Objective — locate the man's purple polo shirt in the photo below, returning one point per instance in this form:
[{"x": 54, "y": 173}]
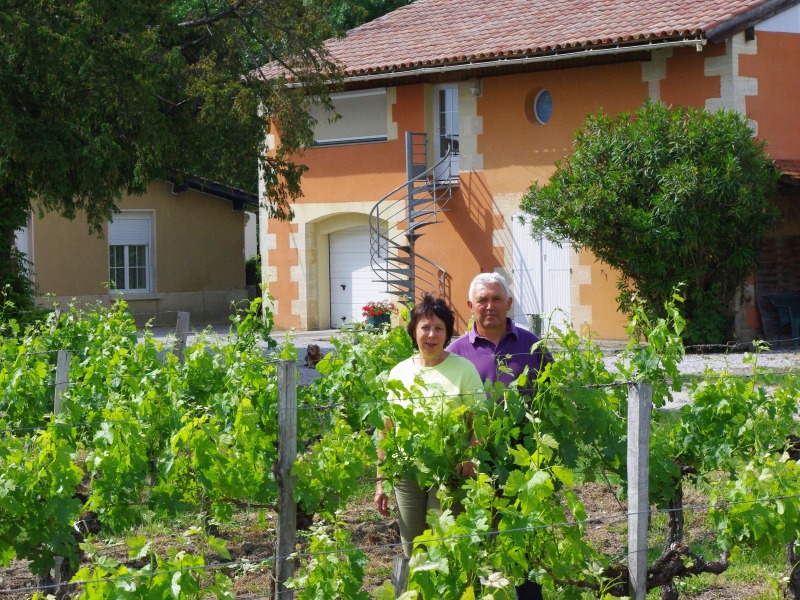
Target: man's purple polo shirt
[{"x": 513, "y": 351}]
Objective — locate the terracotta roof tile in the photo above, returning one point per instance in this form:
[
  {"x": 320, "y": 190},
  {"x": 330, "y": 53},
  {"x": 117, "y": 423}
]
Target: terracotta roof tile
[{"x": 438, "y": 32}]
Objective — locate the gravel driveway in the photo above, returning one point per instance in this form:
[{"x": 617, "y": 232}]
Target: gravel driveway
[{"x": 784, "y": 359}]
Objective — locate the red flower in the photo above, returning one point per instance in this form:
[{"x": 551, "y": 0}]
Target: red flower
[{"x": 378, "y": 309}]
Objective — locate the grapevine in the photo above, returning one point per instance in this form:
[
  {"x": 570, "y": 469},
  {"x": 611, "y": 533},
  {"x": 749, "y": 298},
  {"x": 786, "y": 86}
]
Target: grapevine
[{"x": 144, "y": 435}]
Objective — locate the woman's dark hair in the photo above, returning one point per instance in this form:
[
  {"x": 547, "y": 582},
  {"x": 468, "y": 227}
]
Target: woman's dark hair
[{"x": 428, "y": 308}]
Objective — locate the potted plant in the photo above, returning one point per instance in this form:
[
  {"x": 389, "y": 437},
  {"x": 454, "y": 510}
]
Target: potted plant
[{"x": 378, "y": 313}]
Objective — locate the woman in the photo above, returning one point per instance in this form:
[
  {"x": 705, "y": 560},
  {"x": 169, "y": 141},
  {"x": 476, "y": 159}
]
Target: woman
[{"x": 434, "y": 374}]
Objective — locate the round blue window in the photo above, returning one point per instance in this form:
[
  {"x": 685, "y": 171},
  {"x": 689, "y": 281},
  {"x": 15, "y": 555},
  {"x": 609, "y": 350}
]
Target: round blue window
[{"x": 543, "y": 106}]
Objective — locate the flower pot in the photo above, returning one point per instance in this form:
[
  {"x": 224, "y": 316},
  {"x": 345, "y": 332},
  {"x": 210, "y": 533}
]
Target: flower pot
[{"x": 378, "y": 321}]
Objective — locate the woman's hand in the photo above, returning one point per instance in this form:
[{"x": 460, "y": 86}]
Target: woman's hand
[
  {"x": 466, "y": 469},
  {"x": 381, "y": 500}
]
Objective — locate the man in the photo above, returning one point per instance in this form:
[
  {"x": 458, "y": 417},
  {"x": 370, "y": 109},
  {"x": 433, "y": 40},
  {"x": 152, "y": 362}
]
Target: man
[
  {"x": 494, "y": 339},
  {"x": 500, "y": 350}
]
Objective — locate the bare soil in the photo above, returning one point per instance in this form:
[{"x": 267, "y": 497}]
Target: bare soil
[{"x": 250, "y": 540}]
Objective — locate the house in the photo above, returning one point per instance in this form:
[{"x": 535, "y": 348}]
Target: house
[
  {"x": 176, "y": 248},
  {"x": 451, "y": 109}
]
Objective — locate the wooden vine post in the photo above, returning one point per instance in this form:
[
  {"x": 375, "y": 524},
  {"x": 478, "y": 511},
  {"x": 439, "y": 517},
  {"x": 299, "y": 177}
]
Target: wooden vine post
[
  {"x": 181, "y": 334},
  {"x": 640, "y": 407},
  {"x": 287, "y": 453},
  {"x": 62, "y": 380}
]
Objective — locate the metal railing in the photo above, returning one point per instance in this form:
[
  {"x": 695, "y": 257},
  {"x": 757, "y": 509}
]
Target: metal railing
[{"x": 396, "y": 220}]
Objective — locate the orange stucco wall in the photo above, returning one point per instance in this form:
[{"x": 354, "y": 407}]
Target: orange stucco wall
[
  {"x": 517, "y": 149},
  {"x": 281, "y": 287},
  {"x": 369, "y": 167},
  {"x": 776, "y": 79},
  {"x": 607, "y": 322},
  {"x": 514, "y": 150},
  {"x": 686, "y": 83},
  {"x": 462, "y": 244}
]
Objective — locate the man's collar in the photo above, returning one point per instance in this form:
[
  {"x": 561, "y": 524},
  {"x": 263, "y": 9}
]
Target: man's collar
[{"x": 511, "y": 329}]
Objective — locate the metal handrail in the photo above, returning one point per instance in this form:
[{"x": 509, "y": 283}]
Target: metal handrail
[{"x": 390, "y": 250}]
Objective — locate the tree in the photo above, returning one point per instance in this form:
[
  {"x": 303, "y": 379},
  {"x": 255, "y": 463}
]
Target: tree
[
  {"x": 99, "y": 97},
  {"x": 347, "y": 14},
  {"x": 667, "y": 196}
]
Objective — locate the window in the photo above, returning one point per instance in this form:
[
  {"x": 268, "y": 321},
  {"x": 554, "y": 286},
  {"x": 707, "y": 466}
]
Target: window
[
  {"x": 543, "y": 106},
  {"x": 22, "y": 238},
  {"x": 447, "y": 121},
  {"x": 363, "y": 118},
  {"x": 23, "y": 245},
  {"x": 129, "y": 251},
  {"x": 445, "y": 130}
]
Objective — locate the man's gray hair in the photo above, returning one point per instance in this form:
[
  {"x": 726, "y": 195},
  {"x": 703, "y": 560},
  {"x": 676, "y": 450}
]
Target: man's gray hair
[{"x": 488, "y": 279}]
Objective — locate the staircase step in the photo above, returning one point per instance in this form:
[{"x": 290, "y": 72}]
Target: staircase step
[
  {"x": 422, "y": 198},
  {"x": 398, "y": 269},
  {"x": 415, "y": 226},
  {"x": 404, "y": 283},
  {"x": 414, "y": 203},
  {"x": 395, "y": 270}
]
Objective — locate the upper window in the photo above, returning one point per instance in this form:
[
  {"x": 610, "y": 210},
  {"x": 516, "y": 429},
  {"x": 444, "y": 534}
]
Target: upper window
[
  {"x": 129, "y": 249},
  {"x": 446, "y": 121},
  {"x": 363, "y": 118},
  {"x": 543, "y": 106}
]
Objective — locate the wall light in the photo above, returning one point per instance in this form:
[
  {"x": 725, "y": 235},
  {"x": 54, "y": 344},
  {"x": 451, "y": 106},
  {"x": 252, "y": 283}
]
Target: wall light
[{"x": 475, "y": 87}]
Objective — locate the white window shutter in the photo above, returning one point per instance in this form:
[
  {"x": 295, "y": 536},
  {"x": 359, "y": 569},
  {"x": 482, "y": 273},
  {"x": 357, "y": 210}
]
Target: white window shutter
[
  {"x": 363, "y": 118},
  {"x": 129, "y": 230}
]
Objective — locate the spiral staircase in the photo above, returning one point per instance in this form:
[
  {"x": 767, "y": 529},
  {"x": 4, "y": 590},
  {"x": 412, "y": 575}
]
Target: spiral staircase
[{"x": 397, "y": 219}]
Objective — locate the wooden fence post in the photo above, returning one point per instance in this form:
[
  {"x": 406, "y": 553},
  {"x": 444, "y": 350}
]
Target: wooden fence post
[
  {"x": 56, "y": 320},
  {"x": 62, "y": 379},
  {"x": 181, "y": 333},
  {"x": 400, "y": 575},
  {"x": 640, "y": 406},
  {"x": 287, "y": 453}
]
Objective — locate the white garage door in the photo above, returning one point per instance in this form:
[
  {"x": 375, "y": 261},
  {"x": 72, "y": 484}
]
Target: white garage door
[
  {"x": 541, "y": 279},
  {"x": 352, "y": 279}
]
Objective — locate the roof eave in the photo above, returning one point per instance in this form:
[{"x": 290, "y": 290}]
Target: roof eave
[
  {"x": 239, "y": 199},
  {"x": 554, "y": 55},
  {"x": 742, "y": 21}
]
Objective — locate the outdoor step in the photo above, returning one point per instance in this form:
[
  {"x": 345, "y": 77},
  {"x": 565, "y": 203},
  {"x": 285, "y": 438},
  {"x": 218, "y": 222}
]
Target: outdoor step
[
  {"x": 426, "y": 202},
  {"x": 402, "y": 283},
  {"x": 397, "y": 271},
  {"x": 415, "y": 226},
  {"x": 399, "y": 259}
]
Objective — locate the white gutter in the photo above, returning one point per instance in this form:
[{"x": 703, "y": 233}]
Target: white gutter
[{"x": 503, "y": 62}]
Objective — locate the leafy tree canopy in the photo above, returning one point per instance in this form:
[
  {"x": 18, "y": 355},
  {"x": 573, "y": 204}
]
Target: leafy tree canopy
[
  {"x": 99, "y": 97},
  {"x": 347, "y": 14},
  {"x": 667, "y": 196}
]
